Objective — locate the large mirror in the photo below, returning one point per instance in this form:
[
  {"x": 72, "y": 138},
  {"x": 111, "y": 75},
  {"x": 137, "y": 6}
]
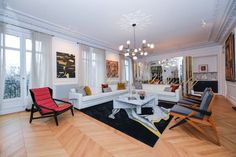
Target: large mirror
[{"x": 164, "y": 71}]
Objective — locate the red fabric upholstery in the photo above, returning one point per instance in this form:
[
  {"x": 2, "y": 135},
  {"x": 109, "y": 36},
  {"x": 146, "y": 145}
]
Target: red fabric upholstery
[{"x": 43, "y": 98}]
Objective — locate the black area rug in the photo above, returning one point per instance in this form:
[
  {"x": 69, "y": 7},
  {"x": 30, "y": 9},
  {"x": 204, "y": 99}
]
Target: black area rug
[{"x": 124, "y": 124}]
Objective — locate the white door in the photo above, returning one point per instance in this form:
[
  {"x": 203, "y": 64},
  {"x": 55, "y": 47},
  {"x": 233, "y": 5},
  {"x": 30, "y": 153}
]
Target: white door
[{"x": 17, "y": 50}]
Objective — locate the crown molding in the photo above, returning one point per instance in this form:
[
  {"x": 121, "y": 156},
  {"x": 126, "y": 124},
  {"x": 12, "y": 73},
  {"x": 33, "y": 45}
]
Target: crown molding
[
  {"x": 229, "y": 22},
  {"x": 23, "y": 20},
  {"x": 204, "y": 51},
  {"x": 188, "y": 48},
  {"x": 184, "y": 51}
]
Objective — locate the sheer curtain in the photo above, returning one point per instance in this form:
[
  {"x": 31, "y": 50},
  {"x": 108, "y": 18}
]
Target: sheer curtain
[
  {"x": 92, "y": 66},
  {"x": 2, "y": 65},
  {"x": 41, "y": 62},
  {"x": 122, "y": 67}
]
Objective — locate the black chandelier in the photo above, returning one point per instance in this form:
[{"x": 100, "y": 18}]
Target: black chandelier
[{"x": 133, "y": 51}]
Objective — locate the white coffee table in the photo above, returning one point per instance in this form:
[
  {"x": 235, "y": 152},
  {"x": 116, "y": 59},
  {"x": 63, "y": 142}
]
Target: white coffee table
[
  {"x": 123, "y": 102},
  {"x": 133, "y": 108}
]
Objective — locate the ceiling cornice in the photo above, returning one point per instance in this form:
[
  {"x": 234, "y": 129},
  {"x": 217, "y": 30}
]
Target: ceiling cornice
[
  {"x": 229, "y": 22},
  {"x": 17, "y": 18},
  {"x": 189, "y": 48}
]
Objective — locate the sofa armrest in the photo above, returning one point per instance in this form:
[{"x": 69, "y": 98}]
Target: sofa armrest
[{"x": 178, "y": 94}]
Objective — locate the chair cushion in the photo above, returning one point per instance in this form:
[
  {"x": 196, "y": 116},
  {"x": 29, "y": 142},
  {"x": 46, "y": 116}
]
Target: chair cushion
[
  {"x": 184, "y": 111},
  {"x": 206, "y": 100},
  {"x": 43, "y": 98},
  {"x": 87, "y": 90},
  {"x": 62, "y": 107}
]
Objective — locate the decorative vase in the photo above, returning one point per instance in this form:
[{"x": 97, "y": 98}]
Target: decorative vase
[{"x": 142, "y": 97}]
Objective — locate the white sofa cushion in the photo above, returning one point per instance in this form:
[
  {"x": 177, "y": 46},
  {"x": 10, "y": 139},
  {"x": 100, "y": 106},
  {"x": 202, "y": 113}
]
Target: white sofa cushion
[{"x": 167, "y": 93}]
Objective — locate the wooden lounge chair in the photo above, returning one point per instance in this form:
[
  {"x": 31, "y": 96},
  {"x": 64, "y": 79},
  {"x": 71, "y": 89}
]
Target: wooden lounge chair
[
  {"x": 46, "y": 105},
  {"x": 190, "y": 100},
  {"x": 195, "y": 116}
]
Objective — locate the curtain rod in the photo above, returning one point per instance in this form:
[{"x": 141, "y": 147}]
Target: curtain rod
[{"x": 26, "y": 28}]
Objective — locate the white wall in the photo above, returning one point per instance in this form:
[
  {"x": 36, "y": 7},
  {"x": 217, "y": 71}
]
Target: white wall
[
  {"x": 201, "y": 52},
  {"x": 66, "y": 46},
  {"x": 211, "y": 61},
  {"x": 113, "y": 57},
  {"x": 231, "y": 86},
  {"x": 62, "y": 45}
]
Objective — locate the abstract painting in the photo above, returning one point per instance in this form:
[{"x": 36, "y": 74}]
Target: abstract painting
[
  {"x": 112, "y": 69},
  {"x": 230, "y": 58},
  {"x": 65, "y": 65}
]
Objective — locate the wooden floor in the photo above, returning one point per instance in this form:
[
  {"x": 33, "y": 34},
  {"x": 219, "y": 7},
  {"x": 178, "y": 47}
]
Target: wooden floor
[{"x": 83, "y": 136}]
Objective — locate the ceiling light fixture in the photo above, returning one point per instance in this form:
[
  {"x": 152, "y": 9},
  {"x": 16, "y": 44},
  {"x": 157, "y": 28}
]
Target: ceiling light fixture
[{"x": 133, "y": 51}]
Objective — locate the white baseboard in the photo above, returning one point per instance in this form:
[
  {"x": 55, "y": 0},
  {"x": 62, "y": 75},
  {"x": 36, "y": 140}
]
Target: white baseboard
[
  {"x": 11, "y": 110},
  {"x": 232, "y": 100}
]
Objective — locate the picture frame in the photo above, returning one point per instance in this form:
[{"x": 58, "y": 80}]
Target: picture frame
[
  {"x": 65, "y": 65},
  {"x": 230, "y": 72},
  {"x": 203, "y": 68},
  {"x": 112, "y": 69}
]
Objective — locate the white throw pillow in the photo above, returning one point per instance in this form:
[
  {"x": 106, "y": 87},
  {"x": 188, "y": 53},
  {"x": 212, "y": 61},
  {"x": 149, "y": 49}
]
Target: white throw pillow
[
  {"x": 81, "y": 90},
  {"x": 108, "y": 89}
]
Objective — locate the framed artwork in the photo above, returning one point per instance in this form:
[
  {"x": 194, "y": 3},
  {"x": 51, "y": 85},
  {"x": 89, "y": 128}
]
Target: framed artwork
[
  {"x": 65, "y": 65},
  {"x": 112, "y": 69},
  {"x": 230, "y": 58},
  {"x": 203, "y": 68}
]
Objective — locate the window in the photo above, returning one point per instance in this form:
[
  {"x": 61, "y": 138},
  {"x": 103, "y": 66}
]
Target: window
[
  {"x": 93, "y": 63},
  {"x": 12, "y": 66},
  {"x": 127, "y": 70}
]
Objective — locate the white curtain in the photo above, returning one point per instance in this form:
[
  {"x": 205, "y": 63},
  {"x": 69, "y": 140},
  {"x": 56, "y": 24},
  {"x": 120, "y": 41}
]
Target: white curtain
[
  {"x": 2, "y": 65},
  {"x": 41, "y": 69},
  {"x": 122, "y": 67},
  {"x": 41, "y": 63},
  {"x": 92, "y": 66}
]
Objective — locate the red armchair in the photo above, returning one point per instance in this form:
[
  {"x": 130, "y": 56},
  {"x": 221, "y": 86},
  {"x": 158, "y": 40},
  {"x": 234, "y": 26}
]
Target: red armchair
[{"x": 46, "y": 105}]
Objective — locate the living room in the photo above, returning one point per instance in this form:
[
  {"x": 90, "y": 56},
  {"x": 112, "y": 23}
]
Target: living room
[{"x": 107, "y": 78}]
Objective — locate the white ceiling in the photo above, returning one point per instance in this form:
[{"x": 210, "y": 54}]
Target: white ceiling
[{"x": 173, "y": 25}]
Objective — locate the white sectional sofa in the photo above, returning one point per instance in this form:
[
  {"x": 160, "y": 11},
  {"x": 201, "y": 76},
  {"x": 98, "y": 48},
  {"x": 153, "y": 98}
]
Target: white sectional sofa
[
  {"x": 163, "y": 95},
  {"x": 96, "y": 98}
]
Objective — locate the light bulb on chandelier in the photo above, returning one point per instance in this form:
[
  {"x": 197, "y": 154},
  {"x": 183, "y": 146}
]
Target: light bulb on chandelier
[
  {"x": 126, "y": 54},
  {"x": 135, "y": 57},
  {"x": 121, "y": 47}
]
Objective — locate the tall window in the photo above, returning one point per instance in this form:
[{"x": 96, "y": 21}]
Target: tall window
[
  {"x": 127, "y": 69},
  {"x": 12, "y": 66},
  {"x": 92, "y": 68}
]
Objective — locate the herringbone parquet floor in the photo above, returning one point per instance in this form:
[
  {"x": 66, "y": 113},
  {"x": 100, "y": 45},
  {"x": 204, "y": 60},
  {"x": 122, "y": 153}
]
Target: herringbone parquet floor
[{"x": 83, "y": 136}]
